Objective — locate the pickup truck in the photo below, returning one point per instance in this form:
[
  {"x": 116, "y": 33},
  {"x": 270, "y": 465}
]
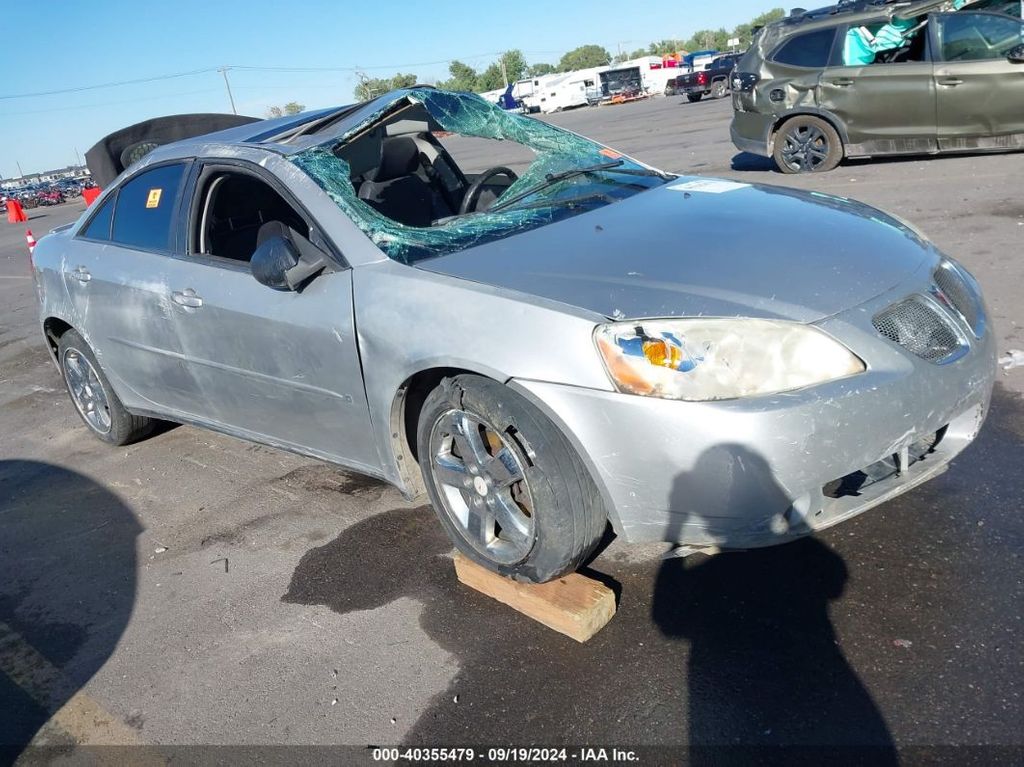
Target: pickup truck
[{"x": 713, "y": 79}]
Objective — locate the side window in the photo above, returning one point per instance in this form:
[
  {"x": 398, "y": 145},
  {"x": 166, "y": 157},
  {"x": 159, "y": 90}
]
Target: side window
[
  {"x": 233, "y": 208},
  {"x": 145, "y": 208},
  {"x": 890, "y": 41},
  {"x": 810, "y": 49},
  {"x": 99, "y": 226},
  {"x": 978, "y": 36}
]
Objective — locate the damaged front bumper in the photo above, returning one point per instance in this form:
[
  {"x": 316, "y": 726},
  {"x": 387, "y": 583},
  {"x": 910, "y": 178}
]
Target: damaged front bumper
[{"x": 754, "y": 472}]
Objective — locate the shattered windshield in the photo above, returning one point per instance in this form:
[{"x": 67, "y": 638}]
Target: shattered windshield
[{"x": 433, "y": 172}]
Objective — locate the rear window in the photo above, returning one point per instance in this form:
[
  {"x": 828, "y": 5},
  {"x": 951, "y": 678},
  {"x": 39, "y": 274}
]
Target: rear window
[
  {"x": 810, "y": 49},
  {"x": 145, "y": 206}
]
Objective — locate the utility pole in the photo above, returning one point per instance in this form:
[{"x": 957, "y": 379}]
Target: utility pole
[
  {"x": 224, "y": 71},
  {"x": 21, "y": 173},
  {"x": 78, "y": 157},
  {"x": 504, "y": 74}
]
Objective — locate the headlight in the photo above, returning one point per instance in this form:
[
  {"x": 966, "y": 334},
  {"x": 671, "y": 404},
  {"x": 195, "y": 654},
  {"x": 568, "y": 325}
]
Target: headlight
[{"x": 710, "y": 359}]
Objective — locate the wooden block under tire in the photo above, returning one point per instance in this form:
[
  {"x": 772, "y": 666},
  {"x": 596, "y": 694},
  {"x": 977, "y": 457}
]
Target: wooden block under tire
[{"x": 573, "y": 605}]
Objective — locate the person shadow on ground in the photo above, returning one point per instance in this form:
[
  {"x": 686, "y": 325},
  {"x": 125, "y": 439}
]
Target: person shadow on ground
[
  {"x": 67, "y": 587},
  {"x": 765, "y": 668}
]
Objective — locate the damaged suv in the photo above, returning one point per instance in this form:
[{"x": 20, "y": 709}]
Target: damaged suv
[
  {"x": 517, "y": 322},
  {"x": 880, "y": 78}
]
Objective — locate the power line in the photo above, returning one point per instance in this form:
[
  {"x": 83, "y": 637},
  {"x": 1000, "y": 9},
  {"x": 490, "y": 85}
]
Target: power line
[
  {"x": 110, "y": 103},
  {"x": 352, "y": 69},
  {"x": 80, "y": 88}
]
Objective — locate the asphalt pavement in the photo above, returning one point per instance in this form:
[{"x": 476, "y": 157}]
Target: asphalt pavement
[{"x": 197, "y": 589}]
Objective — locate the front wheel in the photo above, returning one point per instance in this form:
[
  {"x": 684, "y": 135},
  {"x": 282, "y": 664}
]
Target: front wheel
[
  {"x": 692, "y": 97},
  {"x": 93, "y": 397},
  {"x": 509, "y": 489},
  {"x": 807, "y": 144}
]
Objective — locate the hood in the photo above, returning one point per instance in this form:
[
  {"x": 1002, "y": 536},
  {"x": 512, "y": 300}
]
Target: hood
[{"x": 705, "y": 247}]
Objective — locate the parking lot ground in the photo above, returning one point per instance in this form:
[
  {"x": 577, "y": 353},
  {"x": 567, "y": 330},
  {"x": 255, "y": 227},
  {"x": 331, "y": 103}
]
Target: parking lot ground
[{"x": 196, "y": 589}]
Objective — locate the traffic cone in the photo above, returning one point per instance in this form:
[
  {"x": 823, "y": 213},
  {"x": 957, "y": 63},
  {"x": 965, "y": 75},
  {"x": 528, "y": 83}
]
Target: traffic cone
[
  {"x": 15, "y": 213},
  {"x": 30, "y": 240}
]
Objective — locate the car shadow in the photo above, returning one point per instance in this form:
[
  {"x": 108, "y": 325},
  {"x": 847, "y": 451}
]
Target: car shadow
[
  {"x": 746, "y": 161},
  {"x": 765, "y": 667},
  {"x": 724, "y": 653},
  {"x": 67, "y": 587}
]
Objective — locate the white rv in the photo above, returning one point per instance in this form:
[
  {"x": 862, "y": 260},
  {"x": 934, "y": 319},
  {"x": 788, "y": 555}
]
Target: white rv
[{"x": 568, "y": 90}]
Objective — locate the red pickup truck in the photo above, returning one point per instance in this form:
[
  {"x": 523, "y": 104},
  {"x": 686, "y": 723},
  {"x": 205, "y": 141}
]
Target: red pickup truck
[{"x": 713, "y": 79}]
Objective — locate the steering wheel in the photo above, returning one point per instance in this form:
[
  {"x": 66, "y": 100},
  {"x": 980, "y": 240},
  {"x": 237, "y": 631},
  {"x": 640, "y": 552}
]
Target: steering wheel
[{"x": 469, "y": 199}]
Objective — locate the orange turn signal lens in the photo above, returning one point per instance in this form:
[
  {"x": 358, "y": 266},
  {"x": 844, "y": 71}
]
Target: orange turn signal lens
[{"x": 661, "y": 353}]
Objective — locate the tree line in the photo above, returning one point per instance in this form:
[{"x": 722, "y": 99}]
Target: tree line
[{"x": 512, "y": 66}]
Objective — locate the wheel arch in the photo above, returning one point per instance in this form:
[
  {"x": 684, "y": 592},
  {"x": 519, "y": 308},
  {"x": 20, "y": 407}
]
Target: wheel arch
[
  {"x": 406, "y": 406},
  {"x": 53, "y": 329}
]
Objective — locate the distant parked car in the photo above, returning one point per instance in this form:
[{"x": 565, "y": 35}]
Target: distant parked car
[
  {"x": 867, "y": 79},
  {"x": 515, "y": 346},
  {"x": 712, "y": 81}
]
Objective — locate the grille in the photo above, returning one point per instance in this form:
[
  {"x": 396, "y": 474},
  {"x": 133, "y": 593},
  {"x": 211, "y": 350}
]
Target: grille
[
  {"x": 918, "y": 328},
  {"x": 954, "y": 288}
]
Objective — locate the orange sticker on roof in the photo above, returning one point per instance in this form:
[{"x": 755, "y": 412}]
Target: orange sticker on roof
[
  {"x": 610, "y": 153},
  {"x": 153, "y": 201}
]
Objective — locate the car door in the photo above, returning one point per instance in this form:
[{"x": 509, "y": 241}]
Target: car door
[
  {"x": 980, "y": 91},
  {"x": 116, "y": 276},
  {"x": 885, "y": 107},
  {"x": 278, "y": 366}
]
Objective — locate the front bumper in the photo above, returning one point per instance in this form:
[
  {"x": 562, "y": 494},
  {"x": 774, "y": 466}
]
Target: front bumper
[{"x": 754, "y": 472}]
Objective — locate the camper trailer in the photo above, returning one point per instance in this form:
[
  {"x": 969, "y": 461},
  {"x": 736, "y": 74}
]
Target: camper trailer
[
  {"x": 569, "y": 90},
  {"x": 621, "y": 83}
]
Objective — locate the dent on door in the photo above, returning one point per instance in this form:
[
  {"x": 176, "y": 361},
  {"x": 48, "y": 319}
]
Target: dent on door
[
  {"x": 122, "y": 309},
  {"x": 278, "y": 366}
]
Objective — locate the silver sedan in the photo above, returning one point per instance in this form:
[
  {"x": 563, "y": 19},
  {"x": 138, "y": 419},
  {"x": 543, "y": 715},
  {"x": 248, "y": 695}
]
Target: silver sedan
[{"x": 545, "y": 348}]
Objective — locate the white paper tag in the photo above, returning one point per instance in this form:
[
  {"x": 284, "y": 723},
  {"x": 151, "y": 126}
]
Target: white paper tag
[{"x": 708, "y": 186}]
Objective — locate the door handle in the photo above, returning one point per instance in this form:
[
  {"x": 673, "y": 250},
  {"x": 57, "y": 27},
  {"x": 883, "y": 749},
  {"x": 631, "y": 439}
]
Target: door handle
[
  {"x": 186, "y": 298},
  {"x": 81, "y": 274},
  {"x": 842, "y": 82},
  {"x": 951, "y": 82}
]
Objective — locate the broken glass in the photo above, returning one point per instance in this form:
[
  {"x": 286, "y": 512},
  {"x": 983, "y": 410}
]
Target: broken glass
[{"x": 557, "y": 151}]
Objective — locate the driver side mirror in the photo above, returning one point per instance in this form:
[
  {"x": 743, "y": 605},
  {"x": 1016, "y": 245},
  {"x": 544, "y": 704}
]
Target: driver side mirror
[
  {"x": 284, "y": 259},
  {"x": 1016, "y": 55}
]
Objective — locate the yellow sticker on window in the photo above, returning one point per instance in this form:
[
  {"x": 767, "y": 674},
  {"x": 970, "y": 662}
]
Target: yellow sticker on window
[{"x": 153, "y": 201}]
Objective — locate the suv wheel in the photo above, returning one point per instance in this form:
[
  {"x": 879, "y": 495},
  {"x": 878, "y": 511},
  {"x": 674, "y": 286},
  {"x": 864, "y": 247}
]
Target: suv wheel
[
  {"x": 509, "y": 489},
  {"x": 718, "y": 89},
  {"x": 691, "y": 97},
  {"x": 94, "y": 399},
  {"x": 807, "y": 144}
]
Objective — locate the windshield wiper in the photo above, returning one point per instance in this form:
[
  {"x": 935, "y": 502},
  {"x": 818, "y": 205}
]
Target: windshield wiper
[
  {"x": 570, "y": 202},
  {"x": 552, "y": 178}
]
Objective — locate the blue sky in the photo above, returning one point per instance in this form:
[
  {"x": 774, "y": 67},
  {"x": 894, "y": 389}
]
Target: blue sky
[{"x": 75, "y": 43}]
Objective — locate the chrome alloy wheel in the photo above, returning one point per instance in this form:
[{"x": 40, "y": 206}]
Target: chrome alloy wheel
[
  {"x": 804, "y": 148},
  {"x": 480, "y": 476},
  {"x": 86, "y": 390}
]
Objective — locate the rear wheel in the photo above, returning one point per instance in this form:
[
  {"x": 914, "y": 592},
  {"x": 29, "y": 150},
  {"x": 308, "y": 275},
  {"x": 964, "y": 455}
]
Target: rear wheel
[
  {"x": 718, "y": 89},
  {"x": 807, "y": 144},
  {"x": 93, "y": 397},
  {"x": 691, "y": 97},
  {"x": 509, "y": 489}
]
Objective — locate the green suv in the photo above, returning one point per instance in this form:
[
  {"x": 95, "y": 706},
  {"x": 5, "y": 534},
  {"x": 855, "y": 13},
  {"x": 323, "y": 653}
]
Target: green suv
[{"x": 877, "y": 78}]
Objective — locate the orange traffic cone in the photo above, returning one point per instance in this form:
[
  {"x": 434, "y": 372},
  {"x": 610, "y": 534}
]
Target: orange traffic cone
[
  {"x": 30, "y": 240},
  {"x": 15, "y": 213}
]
